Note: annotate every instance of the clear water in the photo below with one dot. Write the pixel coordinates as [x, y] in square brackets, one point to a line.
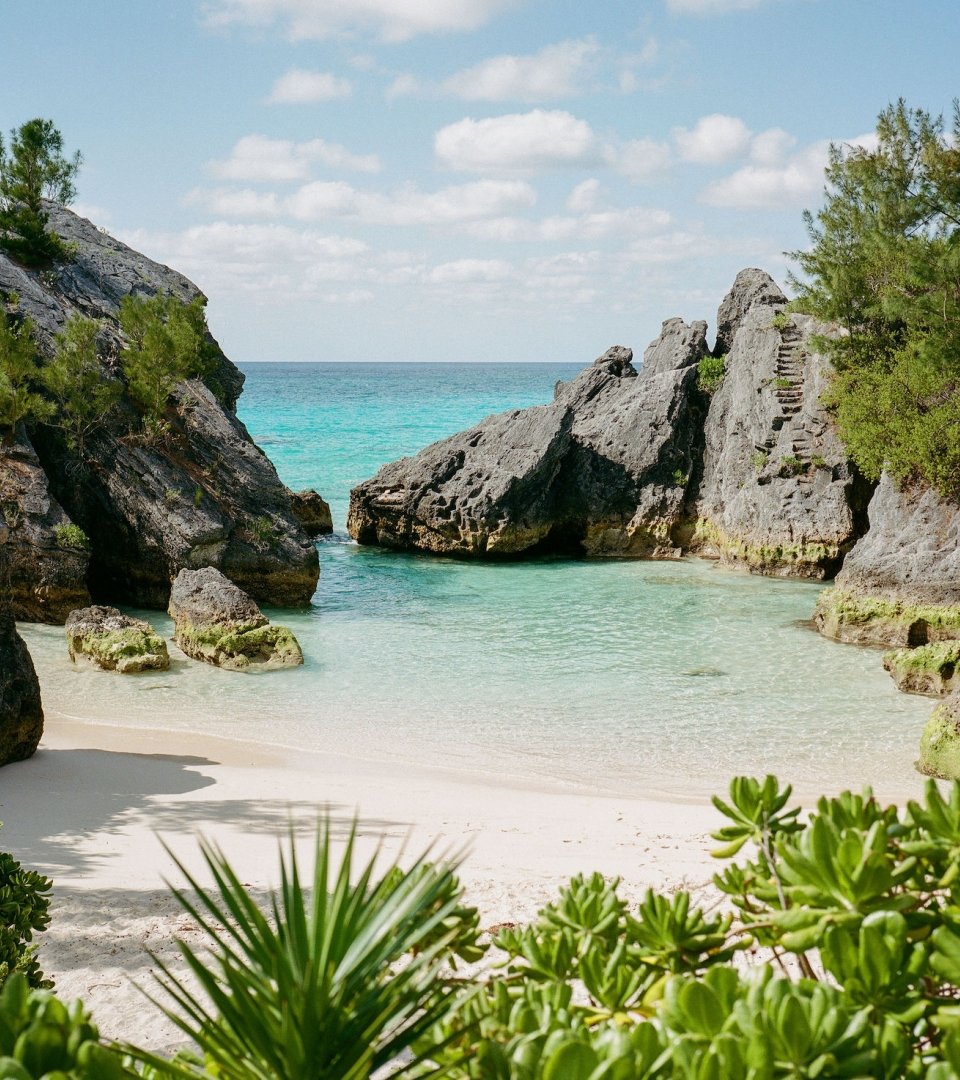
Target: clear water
[616, 676]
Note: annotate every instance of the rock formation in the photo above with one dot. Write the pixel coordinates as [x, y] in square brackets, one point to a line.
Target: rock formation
[203, 495]
[312, 511]
[115, 642]
[932, 669]
[900, 585]
[940, 741]
[218, 623]
[778, 494]
[631, 463]
[21, 714]
[603, 469]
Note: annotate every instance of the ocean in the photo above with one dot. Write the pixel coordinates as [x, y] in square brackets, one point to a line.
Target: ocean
[622, 677]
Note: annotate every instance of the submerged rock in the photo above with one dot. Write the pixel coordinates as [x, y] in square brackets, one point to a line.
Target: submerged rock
[47, 553]
[204, 494]
[778, 494]
[602, 470]
[940, 741]
[218, 623]
[312, 511]
[115, 642]
[900, 585]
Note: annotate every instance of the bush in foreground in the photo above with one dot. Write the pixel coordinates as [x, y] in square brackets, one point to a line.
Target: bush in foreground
[838, 956]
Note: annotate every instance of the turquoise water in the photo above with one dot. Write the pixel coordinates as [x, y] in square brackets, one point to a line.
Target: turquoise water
[614, 676]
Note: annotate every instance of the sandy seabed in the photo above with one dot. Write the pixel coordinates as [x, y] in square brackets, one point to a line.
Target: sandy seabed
[95, 806]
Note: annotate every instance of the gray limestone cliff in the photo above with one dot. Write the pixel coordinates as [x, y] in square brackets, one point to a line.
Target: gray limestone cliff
[778, 494]
[21, 714]
[203, 495]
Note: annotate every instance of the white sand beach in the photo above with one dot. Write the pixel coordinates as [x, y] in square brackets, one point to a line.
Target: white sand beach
[94, 805]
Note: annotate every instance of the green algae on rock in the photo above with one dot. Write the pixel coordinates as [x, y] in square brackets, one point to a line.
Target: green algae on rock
[115, 642]
[864, 619]
[940, 742]
[929, 669]
[217, 622]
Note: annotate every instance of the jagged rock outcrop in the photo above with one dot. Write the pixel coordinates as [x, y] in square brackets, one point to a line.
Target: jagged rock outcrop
[113, 641]
[900, 585]
[47, 555]
[752, 288]
[218, 623]
[777, 492]
[202, 495]
[21, 714]
[603, 469]
[312, 511]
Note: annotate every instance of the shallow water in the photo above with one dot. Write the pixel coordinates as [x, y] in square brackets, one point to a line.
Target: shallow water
[618, 676]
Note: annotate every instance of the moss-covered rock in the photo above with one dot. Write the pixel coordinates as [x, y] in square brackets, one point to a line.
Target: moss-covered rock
[870, 619]
[805, 560]
[940, 742]
[115, 642]
[929, 669]
[216, 622]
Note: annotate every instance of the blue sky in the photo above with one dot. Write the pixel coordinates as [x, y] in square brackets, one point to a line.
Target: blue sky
[463, 179]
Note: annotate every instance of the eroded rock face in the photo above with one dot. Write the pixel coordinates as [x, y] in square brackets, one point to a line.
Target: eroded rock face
[218, 623]
[777, 494]
[47, 556]
[21, 714]
[113, 641]
[932, 669]
[900, 585]
[751, 288]
[603, 469]
[940, 741]
[312, 511]
[203, 495]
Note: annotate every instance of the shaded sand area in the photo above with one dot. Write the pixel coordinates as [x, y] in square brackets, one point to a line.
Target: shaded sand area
[92, 807]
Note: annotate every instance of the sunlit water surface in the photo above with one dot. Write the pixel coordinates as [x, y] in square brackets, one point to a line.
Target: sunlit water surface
[617, 676]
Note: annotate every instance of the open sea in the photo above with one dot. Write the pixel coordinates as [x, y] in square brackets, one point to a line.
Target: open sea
[640, 678]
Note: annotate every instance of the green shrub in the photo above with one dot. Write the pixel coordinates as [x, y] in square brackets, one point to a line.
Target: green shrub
[710, 372]
[19, 372]
[82, 392]
[781, 320]
[167, 343]
[24, 900]
[72, 536]
[782, 383]
[759, 459]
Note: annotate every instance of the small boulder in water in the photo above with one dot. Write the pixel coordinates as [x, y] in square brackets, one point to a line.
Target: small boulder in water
[115, 642]
[312, 512]
[216, 622]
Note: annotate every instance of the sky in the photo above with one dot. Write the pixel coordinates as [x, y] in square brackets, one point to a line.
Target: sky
[463, 180]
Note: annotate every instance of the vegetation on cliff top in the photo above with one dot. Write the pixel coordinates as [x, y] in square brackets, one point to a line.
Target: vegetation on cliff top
[33, 169]
[885, 264]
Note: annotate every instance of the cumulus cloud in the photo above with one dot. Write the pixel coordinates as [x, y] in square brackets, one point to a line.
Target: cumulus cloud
[257, 158]
[519, 143]
[299, 87]
[236, 202]
[409, 206]
[793, 183]
[556, 71]
[390, 20]
[596, 224]
[641, 159]
[714, 140]
[584, 197]
[471, 270]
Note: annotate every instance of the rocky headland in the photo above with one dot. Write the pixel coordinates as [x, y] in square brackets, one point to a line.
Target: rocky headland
[119, 520]
[647, 462]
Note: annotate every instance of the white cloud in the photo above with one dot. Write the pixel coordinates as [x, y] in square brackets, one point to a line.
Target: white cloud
[589, 225]
[641, 159]
[256, 158]
[409, 206]
[772, 146]
[236, 202]
[584, 197]
[793, 183]
[556, 71]
[714, 140]
[471, 270]
[299, 87]
[519, 143]
[710, 7]
[391, 20]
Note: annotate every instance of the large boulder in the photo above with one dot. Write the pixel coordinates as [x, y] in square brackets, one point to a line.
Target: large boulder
[113, 641]
[900, 585]
[218, 623]
[312, 511]
[777, 494]
[602, 470]
[205, 494]
[47, 553]
[932, 669]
